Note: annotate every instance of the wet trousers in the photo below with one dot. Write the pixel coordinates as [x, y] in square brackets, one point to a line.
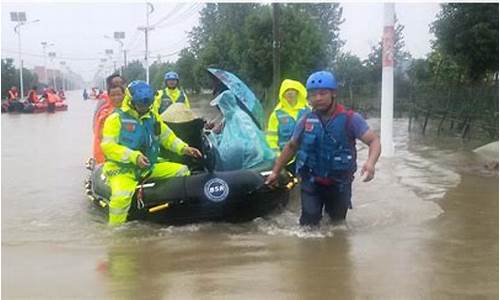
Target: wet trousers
[335, 199]
[123, 186]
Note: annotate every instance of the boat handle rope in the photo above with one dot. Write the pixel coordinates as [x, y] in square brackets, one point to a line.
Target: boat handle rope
[140, 194]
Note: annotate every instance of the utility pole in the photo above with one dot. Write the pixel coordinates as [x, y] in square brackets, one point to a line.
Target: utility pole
[146, 29]
[387, 106]
[276, 50]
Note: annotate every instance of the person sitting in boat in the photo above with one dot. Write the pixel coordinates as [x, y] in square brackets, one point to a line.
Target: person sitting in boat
[51, 98]
[104, 100]
[116, 94]
[241, 144]
[13, 94]
[131, 139]
[216, 125]
[32, 96]
[291, 107]
[101, 95]
[170, 94]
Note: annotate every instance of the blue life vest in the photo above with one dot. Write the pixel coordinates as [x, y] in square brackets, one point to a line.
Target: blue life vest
[327, 151]
[166, 101]
[287, 125]
[140, 136]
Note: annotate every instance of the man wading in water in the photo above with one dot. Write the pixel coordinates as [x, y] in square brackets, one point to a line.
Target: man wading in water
[325, 143]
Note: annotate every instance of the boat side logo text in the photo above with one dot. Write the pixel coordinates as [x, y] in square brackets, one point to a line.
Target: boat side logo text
[216, 189]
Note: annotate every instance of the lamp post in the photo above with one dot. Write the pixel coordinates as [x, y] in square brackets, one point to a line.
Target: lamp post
[109, 53]
[117, 37]
[52, 55]
[102, 67]
[45, 45]
[62, 75]
[20, 18]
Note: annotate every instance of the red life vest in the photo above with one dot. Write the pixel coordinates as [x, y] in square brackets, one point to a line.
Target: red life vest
[51, 98]
[32, 96]
[13, 95]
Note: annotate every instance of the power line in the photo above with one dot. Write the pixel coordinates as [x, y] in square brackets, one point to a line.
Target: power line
[173, 45]
[188, 13]
[58, 57]
[174, 11]
[134, 38]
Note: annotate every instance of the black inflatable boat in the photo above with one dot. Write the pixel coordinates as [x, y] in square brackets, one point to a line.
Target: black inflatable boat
[206, 195]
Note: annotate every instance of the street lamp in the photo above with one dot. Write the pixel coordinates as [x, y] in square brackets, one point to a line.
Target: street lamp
[117, 36]
[45, 45]
[62, 74]
[109, 53]
[102, 67]
[52, 55]
[20, 18]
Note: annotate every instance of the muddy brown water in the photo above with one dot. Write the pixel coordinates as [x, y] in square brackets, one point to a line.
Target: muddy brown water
[426, 227]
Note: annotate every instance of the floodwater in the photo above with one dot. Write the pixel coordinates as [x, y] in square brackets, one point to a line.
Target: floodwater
[426, 227]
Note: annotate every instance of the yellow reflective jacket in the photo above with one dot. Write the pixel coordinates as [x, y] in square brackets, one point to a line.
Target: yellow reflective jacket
[173, 94]
[283, 105]
[115, 152]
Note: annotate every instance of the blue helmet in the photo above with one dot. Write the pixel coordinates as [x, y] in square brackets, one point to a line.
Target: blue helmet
[171, 76]
[321, 80]
[141, 93]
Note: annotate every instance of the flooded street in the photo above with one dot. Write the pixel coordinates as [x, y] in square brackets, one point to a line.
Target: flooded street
[426, 227]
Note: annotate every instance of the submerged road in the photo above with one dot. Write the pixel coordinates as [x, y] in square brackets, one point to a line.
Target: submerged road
[426, 227]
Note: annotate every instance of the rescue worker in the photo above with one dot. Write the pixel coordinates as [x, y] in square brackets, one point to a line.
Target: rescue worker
[170, 94]
[51, 98]
[32, 96]
[116, 94]
[291, 107]
[325, 140]
[131, 139]
[61, 94]
[13, 94]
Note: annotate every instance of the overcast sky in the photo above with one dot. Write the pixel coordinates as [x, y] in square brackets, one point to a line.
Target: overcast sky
[77, 30]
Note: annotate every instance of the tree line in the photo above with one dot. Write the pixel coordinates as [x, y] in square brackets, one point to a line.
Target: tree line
[238, 37]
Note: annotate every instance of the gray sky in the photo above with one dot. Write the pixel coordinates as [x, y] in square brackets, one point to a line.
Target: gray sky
[78, 29]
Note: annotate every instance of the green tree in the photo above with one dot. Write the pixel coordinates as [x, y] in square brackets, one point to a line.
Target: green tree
[351, 75]
[401, 56]
[185, 66]
[329, 16]
[468, 34]
[298, 28]
[134, 71]
[10, 77]
[238, 38]
[157, 74]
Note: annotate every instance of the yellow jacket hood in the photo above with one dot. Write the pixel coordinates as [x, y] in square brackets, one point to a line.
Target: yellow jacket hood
[301, 97]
